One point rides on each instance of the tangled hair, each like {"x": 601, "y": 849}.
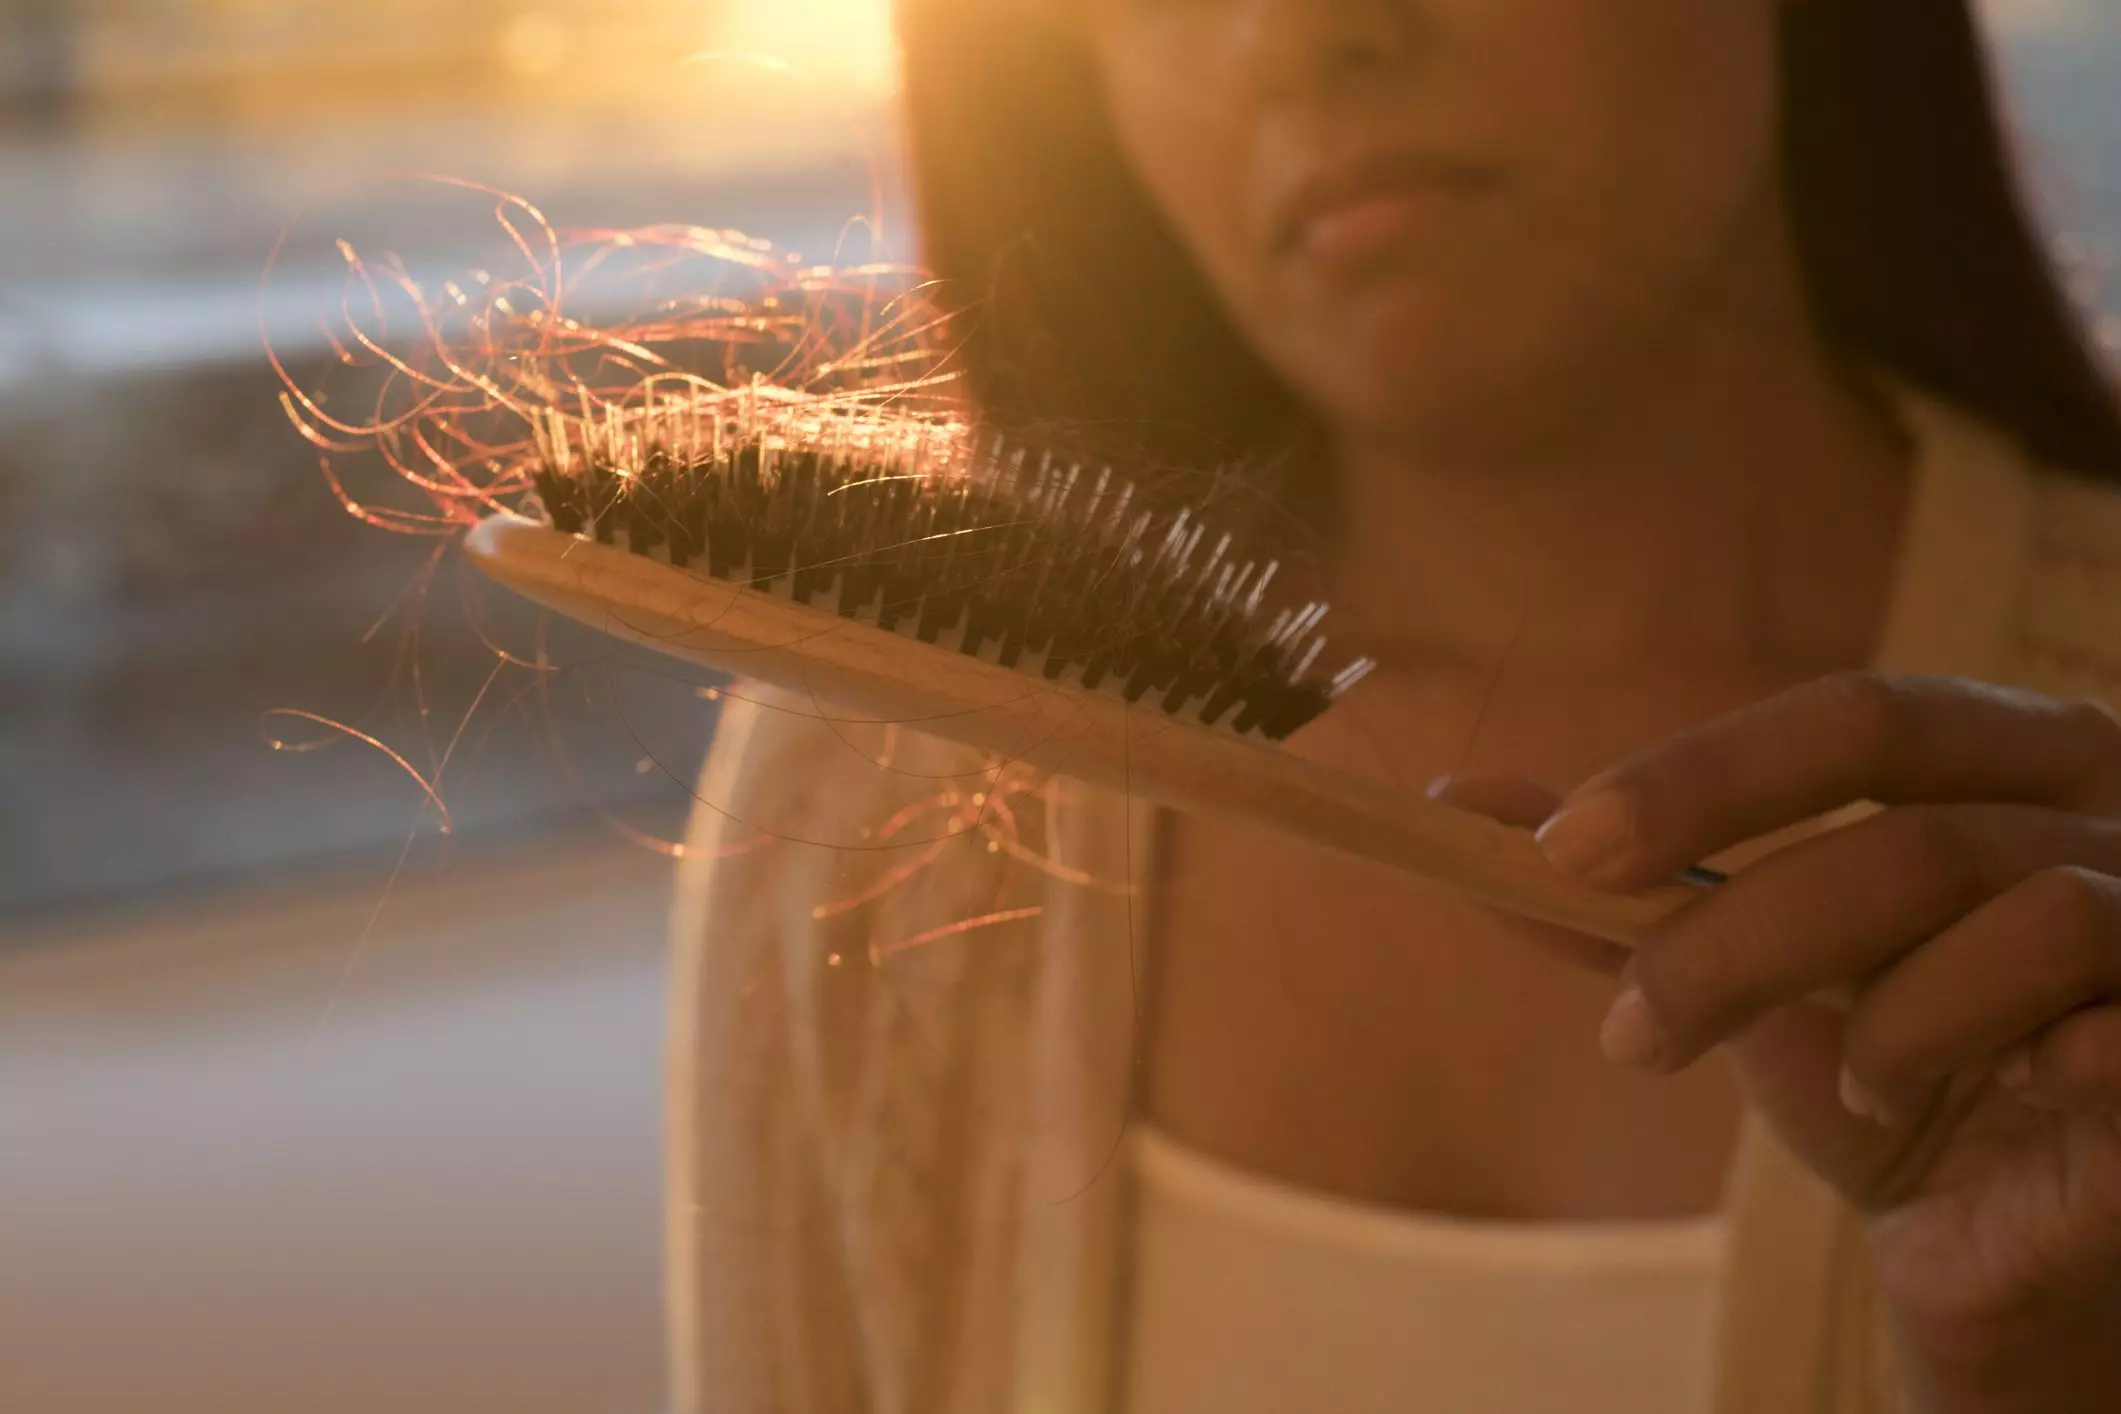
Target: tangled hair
{"x": 1918, "y": 248}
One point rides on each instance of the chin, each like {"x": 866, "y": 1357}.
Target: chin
{"x": 1444, "y": 370}
{"x": 1407, "y": 375}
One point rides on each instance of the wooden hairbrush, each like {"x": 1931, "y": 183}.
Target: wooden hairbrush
{"x": 902, "y": 571}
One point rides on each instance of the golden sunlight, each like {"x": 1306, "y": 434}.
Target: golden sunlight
{"x": 841, "y": 42}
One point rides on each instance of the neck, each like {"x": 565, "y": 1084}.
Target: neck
{"x": 1732, "y": 505}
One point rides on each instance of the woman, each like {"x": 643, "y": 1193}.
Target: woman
{"x": 1666, "y": 383}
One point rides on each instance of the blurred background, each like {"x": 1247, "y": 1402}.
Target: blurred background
{"x": 304, "y": 1106}
{"x": 286, "y": 1124}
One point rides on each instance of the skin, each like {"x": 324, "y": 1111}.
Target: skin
{"x": 1605, "y": 497}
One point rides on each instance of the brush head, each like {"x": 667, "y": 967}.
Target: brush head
{"x": 920, "y": 528}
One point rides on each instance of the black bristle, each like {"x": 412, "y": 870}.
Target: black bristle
{"x": 1029, "y": 562}
{"x": 562, "y": 497}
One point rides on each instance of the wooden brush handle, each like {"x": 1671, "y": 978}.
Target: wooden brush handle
{"x": 868, "y": 674}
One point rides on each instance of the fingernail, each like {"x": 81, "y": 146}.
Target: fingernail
{"x": 2015, "y": 1073}
{"x": 1589, "y": 835}
{"x": 1437, "y": 787}
{"x": 1859, "y": 1099}
{"x": 1630, "y": 1035}
{"x": 2015, "y": 1070}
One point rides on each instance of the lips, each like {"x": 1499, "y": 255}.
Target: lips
{"x": 1365, "y": 200}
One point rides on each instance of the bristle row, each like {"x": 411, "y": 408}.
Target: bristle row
{"x": 1035, "y": 565}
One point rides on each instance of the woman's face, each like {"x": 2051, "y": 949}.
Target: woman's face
{"x": 1440, "y": 219}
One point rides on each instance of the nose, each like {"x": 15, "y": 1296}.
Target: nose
{"x": 1303, "y": 48}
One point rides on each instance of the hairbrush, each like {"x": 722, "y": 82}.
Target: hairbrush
{"x": 914, "y": 570}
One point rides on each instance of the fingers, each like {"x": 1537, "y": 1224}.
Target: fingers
{"x": 2074, "y": 1064}
{"x": 1854, "y": 904}
{"x": 1850, "y": 737}
{"x": 2000, "y": 977}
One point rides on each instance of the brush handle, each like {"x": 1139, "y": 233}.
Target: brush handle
{"x": 868, "y": 674}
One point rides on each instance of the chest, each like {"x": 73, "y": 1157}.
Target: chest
{"x": 1326, "y": 1021}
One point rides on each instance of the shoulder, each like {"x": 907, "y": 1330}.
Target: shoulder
{"x": 796, "y": 807}
{"x": 2012, "y": 569}
{"x": 2065, "y": 627}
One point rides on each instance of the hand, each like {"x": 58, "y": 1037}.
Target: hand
{"x": 1969, "y": 1105}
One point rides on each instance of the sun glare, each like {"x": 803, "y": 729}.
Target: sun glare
{"x": 847, "y": 42}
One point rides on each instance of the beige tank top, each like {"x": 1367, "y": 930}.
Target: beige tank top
{"x": 1254, "y": 1297}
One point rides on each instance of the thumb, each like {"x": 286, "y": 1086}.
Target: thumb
{"x": 1513, "y": 800}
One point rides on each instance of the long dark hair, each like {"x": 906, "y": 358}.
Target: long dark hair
{"x": 1078, "y": 307}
